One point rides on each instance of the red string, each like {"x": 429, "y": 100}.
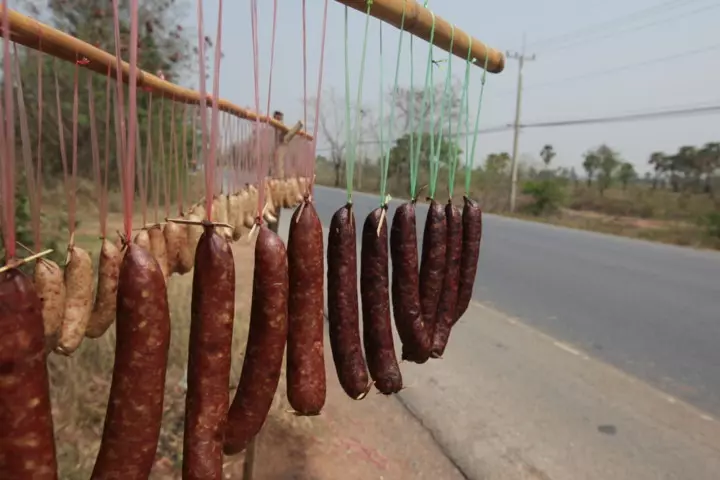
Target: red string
{"x": 163, "y": 161}
{"x": 185, "y": 157}
{"x": 38, "y": 165}
{"x": 304, "y": 49}
{"x": 144, "y": 181}
{"x": 256, "y": 73}
{"x": 174, "y": 154}
{"x": 132, "y": 120}
{"x": 203, "y": 113}
{"x": 9, "y": 143}
{"x": 63, "y": 151}
{"x": 99, "y": 192}
{"x": 120, "y": 104}
{"x": 317, "y": 101}
{"x": 107, "y": 145}
{"x": 215, "y": 129}
{"x": 27, "y": 150}
{"x": 73, "y": 177}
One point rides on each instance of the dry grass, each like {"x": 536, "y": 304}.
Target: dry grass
{"x": 80, "y": 384}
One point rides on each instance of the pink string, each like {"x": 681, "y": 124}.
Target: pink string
{"x": 317, "y": 101}
{"x": 214, "y": 132}
{"x": 203, "y": 113}
{"x": 8, "y": 166}
{"x": 256, "y": 71}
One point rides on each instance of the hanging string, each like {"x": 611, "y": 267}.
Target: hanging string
{"x": 317, "y": 97}
{"x": 38, "y": 164}
{"x": 386, "y": 163}
{"x": 470, "y": 160}
{"x": 454, "y": 154}
{"x": 437, "y": 144}
{"x": 352, "y": 154}
{"x": 415, "y": 154}
{"x": 8, "y": 142}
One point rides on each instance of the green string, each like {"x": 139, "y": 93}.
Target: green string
{"x": 454, "y": 156}
{"x": 415, "y": 154}
{"x": 436, "y": 146}
{"x": 354, "y": 139}
{"x": 470, "y": 160}
{"x": 386, "y": 164}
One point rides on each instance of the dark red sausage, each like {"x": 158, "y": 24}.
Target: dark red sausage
{"x": 448, "y": 297}
{"x": 472, "y": 236}
{"x": 211, "y": 329}
{"x": 265, "y": 345}
{"x": 135, "y": 407}
{"x": 306, "y": 322}
{"x": 416, "y": 341}
{"x": 343, "y": 313}
{"x": 374, "y": 289}
{"x": 432, "y": 266}
{"x": 27, "y": 446}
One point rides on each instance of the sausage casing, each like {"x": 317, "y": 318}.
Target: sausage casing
{"x": 209, "y": 356}
{"x": 343, "y": 306}
{"x": 448, "y": 297}
{"x": 416, "y": 341}
{"x": 472, "y": 237}
{"x": 135, "y": 407}
{"x": 306, "y": 386}
{"x": 374, "y": 290}
{"x": 27, "y": 446}
{"x": 432, "y": 265}
{"x": 104, "y": 309}
{"x": 267, "y": 336}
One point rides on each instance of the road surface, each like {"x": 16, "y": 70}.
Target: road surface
{"x": 651, "y": 310}
{"x": 583, "y": 356}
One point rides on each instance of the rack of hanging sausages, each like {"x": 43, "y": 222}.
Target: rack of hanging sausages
{"x": 119, "y": 178}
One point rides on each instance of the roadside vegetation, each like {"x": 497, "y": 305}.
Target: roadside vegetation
{"x": 676, "y": 202}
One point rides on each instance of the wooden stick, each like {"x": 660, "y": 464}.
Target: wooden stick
{"x": 23, "y": 261}
{"x": 38, "y": 36}
{"x": 419, "y": 22}
{"x": 249, "y": 464}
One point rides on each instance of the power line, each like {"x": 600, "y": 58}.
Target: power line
{"x": 628, "y": 66}
{"x": 633, "y": 29}
{"x": 683, "y": 111}
{"x": 614, "y": 22}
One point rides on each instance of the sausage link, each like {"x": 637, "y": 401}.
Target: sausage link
{"x": 405, "y": 286}
{"x": 211, "y": 330}
{"x": 377, "y": 330}
{"x": 143, "y": 239}
{"x": 432, "y": 266}
{"x": 343, "y": 312}
{"x": 135, "y": 406}
{"x": 267, "y": 335}
{"x": 50, "y": 287}
{"x": 448, "y": 298}
{"x": 78, "y": 300}
{"x": 158, "y": 248}
{"x": 105, "y": 307}
{"x": 305, "y": 349}
{"x": 27, "y": 446}
{"x": 471, "y": 238}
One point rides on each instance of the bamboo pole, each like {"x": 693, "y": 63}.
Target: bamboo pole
{"x": 38, "y": 36}
{"x": 419, "y": 20}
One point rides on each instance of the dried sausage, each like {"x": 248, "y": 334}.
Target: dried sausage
{"x": 50, "y": 287}
{"x": 158, "y": 248}
{"x": 180, "y": 259}
{"x": 142, "y": 239}
{"x": 472, "y": 236}
{"x": 27, "y": 447}
{"x": 134, "y": 412}
{"x": 305, "y": 350}
{"x": 78, "y": 300}
{"x": 104, "y": 309}
{"x": 448, "y": 297}
{"x": 416, "y": 341}
{"x": 211, "y": 329}
{"x": 374, "y": 290}
{"x": 343, "y": 313}
{"x": 432, "y": 265}
{"x": 265, "y": 345}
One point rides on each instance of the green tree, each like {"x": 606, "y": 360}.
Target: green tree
{"x": 659, "y": 162}
{"x": 709, "y": 162}
{"x": 400, "y": 154}
{"x": 626, "y": 174}
{"x": 591, "y": 164}
{"x": 497, "y": 164}
{"x": 547, "y": 154}
{"x": 608, "y": 165}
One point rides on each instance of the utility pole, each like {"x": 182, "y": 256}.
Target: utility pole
{"x": 521, "y": 58}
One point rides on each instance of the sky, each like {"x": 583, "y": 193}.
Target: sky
{"x": 593, "y": 59}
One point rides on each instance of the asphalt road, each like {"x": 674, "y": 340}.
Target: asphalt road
{"x": 650, "y": 310}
